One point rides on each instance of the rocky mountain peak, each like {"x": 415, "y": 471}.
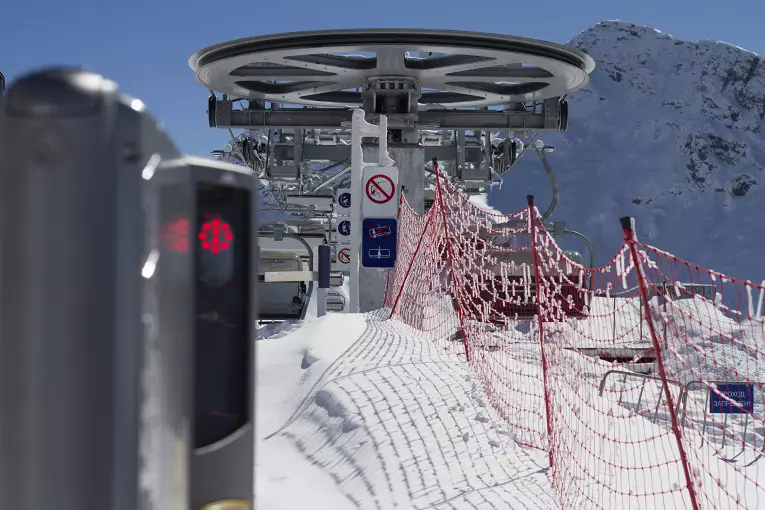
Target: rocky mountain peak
{"x": 671, "y": 132}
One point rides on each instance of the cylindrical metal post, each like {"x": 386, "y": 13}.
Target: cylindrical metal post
{"x": 324, "y": 267}
{"x": 628, "y": 226}
{"x": 357, "y": 166}
{"x": 94, "y": 384}
{"x": 535, "y": 223}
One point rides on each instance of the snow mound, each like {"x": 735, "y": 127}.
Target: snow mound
{"x": 703, "y": 343}
{"x": 384, "y": 419}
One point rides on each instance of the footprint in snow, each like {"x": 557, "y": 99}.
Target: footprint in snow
{"x": 482, "y": 418}
{"x": 308, "y": 360}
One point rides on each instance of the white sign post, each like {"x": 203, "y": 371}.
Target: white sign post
{"x": 361, "y": 128}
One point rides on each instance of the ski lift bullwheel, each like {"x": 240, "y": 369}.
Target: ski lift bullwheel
{"x": 340, "y": 68}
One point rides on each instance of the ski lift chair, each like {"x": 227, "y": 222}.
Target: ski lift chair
{"x": 281, "y": 300}
{"x": 507, "y": 298}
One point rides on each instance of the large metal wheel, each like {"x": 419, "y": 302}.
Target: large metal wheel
{"x": 333, "y": 68}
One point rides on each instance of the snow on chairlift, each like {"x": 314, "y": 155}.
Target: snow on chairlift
{"x": 509, "y": 296}
{"x": 501, "y": 281}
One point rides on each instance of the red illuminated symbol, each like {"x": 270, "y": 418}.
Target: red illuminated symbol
{"x": 175, "y": 235}
{"x": 215, "y": 235}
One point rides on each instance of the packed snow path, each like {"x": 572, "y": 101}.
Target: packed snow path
{"x": 385, "y": 419}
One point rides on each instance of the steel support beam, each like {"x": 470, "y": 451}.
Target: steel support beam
{"x": 312, "y": 152}
{"x": 550, "y": 118}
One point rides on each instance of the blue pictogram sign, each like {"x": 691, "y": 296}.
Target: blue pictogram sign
{"x": 378, "y": 242}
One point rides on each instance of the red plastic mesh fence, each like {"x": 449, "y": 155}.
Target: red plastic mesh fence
{"x": 641, "y": 378}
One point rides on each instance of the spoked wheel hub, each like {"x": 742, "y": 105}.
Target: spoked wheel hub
{"x": 392, "y": 68}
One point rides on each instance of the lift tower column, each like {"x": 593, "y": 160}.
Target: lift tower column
{"x": 421, "y": 80}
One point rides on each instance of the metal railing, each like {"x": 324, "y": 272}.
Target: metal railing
{"x": 682, "y": 404}
{"x": 702, "y": 384}
{"x": 645, "y": 377}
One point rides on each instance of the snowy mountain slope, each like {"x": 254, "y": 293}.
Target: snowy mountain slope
{"x": 670, "y": 132}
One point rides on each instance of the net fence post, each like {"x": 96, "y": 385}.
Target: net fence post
{"x": 539, "y": 296}
{"x": 628, "y": 226}
{"x": 409, "y": 268}
{"x": 457, "y": 287}
{"x": 390, "y": 276}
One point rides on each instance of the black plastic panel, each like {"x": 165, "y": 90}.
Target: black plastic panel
{"x": 223, "y": 321}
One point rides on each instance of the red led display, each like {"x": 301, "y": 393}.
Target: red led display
{"x": 175, "y": 235}
{"x": 215, "y": 235}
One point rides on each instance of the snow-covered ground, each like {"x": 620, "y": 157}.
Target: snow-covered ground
{"x": 357, "y": 411}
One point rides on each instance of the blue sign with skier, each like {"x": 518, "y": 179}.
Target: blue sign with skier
{"x": 344, "y": 200}
{"x": 378, "y": 242}
{"x": 344, "y": 228}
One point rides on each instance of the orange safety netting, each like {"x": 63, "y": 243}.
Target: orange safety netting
{"x": 643, "y": 378}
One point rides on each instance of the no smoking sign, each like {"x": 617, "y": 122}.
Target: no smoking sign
{"x": 380, "y": 192}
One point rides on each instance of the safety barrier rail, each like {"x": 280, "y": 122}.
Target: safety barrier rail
{"x": 645, "y": 377}
{"x": 498, "y": 289}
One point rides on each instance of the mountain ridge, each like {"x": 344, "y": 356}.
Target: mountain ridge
{"x": 670, "y": 132}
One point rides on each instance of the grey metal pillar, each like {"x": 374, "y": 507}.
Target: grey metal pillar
{"x": 324, "y": 267}
{"x": 410, "y": 159}
{"x": 94, "y": 350}
{"x": 372, "y": 281}
{"x": 460, "y": 163}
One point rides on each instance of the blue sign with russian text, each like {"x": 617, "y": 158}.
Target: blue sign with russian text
{"x": 741, "y": 395}
{"x": 378, "y": 242}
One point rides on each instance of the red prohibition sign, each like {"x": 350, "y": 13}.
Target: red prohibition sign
{"x": 344, "y": 256}
{"x": 375, "y": 186}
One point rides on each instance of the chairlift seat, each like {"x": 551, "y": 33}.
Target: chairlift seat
{"x": 478, "y": 173}
{"x": 505, "y": 292}
{"x": 281, "y": 301}
{"x": 283, "y": 172}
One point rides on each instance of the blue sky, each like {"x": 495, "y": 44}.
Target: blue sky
{"x": 145, "y": 45}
